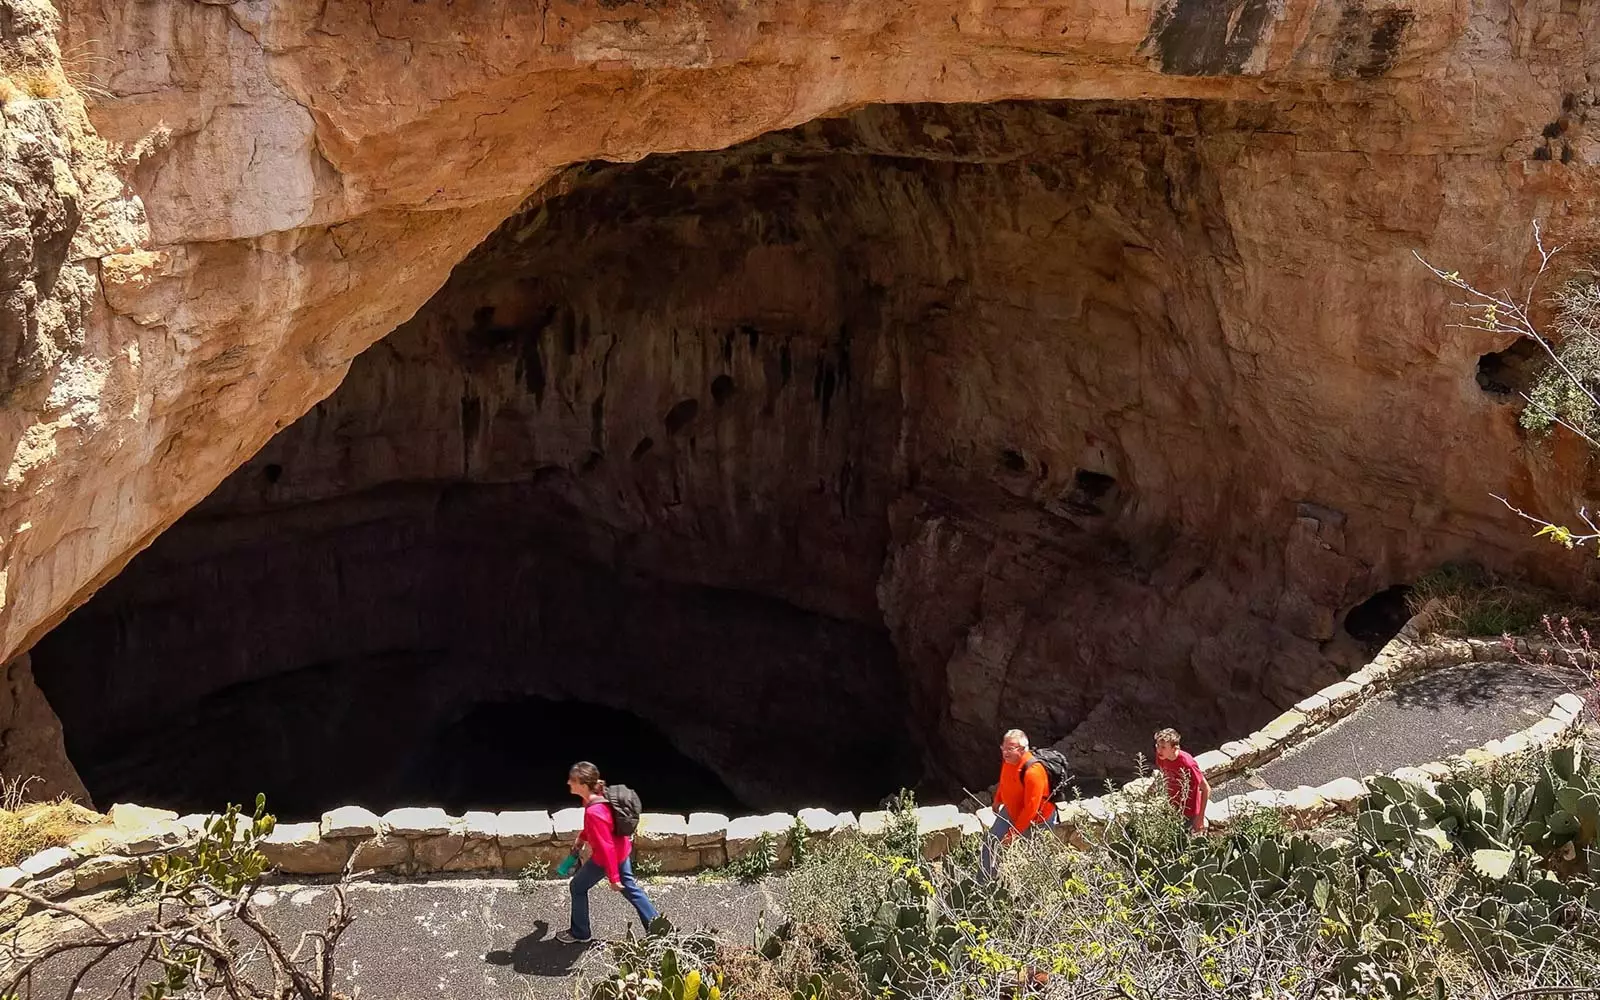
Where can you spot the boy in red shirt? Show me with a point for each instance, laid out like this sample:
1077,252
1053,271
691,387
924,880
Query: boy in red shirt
1186,783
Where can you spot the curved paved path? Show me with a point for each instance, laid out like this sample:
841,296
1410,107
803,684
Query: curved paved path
468,938
1426,718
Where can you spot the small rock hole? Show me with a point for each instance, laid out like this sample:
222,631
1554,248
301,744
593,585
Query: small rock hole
273,472
722,389
1091,491
643,448
681,414
1013,461
1511,371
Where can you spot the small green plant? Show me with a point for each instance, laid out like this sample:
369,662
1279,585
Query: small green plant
532,873
799,845
901,836
755,864
646,867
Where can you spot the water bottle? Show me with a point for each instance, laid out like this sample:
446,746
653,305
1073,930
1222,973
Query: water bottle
567,864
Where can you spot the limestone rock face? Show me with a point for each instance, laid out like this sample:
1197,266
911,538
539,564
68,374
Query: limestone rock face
1160,362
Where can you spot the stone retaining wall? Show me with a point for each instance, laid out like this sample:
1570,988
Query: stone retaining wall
412,841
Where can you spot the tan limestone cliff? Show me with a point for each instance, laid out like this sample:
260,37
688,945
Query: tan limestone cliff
270,186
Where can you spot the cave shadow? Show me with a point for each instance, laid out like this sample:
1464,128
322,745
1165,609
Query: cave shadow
1476,684
538,953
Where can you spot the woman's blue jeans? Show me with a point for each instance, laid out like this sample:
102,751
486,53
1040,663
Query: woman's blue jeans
591,875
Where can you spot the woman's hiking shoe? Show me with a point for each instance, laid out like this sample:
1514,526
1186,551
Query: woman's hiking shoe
565,937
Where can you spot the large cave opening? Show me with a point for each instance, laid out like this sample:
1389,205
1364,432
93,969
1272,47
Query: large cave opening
796,472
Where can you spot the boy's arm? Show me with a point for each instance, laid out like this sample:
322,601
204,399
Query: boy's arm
1205,792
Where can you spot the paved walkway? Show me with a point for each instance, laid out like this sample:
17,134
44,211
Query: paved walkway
1427,718
470,938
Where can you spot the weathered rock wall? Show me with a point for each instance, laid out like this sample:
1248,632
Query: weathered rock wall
311,172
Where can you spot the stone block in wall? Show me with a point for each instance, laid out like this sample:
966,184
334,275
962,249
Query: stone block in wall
1346,793
1514,744
387,850
47,862
874,823
705,829
55,886
1237,750
299,849
940,828
1413,776
971,826
1306,802
161,835
351,821
524,829
1546,731
1314,706
103,870
1338,692
12,876
126,816
1213,761
820,822
1487,651
479,825
476,855
1141,786
1571,703
1284,726
746,831
1263,798
413,821
568,823
1096,811
195,825
986,816
662,830
714,856
669,858
433,853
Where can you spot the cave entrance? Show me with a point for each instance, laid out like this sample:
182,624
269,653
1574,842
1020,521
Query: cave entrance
830,456
457,645
1380,617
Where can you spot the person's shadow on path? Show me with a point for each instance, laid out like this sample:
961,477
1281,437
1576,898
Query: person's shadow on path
536,954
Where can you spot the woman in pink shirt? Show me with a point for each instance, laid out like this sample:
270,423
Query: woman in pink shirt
608,855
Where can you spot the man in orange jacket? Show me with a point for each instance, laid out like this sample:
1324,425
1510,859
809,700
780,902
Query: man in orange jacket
1021,800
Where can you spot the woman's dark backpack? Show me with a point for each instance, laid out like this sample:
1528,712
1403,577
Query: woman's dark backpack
625,809
1054,763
